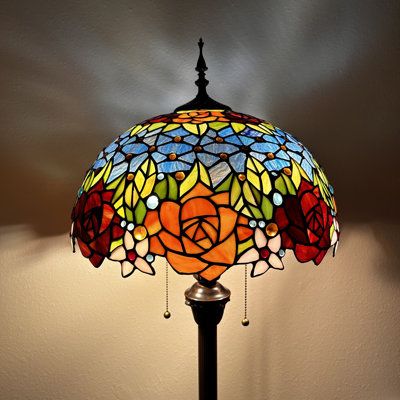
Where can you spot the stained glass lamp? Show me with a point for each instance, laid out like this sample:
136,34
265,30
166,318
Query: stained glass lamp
205,189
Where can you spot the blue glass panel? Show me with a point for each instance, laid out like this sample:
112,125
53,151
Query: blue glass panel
295,156
307,155
206,140
233,139
190,157
207,159
211,133
282,154
293,146
276,164
110,148
226,132
173,166
99,163
292,138
117,171
260,157
280,132
118,157
150,140
173,147
126,133
219,172
217,148
237,162
157,157
247,141
177,132
265,147
280,139
250,133
123,141
135,148
192,139
136,161
163,139
308,168
270,139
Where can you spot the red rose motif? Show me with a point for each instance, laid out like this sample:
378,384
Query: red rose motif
96,224
305,222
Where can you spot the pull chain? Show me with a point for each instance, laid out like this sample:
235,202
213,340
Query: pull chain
167,314
245,321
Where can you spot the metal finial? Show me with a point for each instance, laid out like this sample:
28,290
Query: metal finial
202,100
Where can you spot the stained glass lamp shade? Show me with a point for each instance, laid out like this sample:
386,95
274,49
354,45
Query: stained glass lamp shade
207,189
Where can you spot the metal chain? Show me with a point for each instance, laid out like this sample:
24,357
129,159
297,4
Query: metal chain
167,314
245,321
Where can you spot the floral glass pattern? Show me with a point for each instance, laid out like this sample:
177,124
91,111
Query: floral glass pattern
207,190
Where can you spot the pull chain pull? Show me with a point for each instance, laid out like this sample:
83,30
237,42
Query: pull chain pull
167,314
245,321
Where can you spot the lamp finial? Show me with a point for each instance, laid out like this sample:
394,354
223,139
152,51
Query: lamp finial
202,100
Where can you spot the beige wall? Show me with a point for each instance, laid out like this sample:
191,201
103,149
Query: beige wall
72,73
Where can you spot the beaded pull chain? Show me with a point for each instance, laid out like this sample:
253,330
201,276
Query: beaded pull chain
167,314
245,321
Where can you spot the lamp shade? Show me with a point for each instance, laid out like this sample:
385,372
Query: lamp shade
208,190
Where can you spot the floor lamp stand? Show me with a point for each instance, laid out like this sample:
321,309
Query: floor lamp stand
207,300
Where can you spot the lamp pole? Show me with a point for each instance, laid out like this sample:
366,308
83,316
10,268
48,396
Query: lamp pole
207,301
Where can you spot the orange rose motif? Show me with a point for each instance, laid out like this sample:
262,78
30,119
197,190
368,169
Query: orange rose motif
198,235
200,117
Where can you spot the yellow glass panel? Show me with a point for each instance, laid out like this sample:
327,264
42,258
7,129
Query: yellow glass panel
258,128
88,181
235,191
190,180
99,175
242,247
107,171
152,167
246,212
143,127
248,194
218,125
116,243
296,178
119,202
268,126
121,212
192,128
204,176
155,126
128,195
170,127
149,185
119,191
238,127
135,197
115,183
129,214
202,128
266,182
136,129
332,229
289,184
139,180
254,179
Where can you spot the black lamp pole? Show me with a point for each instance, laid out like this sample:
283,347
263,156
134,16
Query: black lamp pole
207,300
